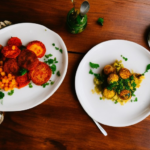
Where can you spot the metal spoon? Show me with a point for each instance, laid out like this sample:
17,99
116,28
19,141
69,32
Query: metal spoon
1,117
85,6
100,128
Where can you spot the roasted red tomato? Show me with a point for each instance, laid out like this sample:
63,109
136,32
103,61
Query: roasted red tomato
14,41
27,59
11,66
11,51
37,47
41,74
22,80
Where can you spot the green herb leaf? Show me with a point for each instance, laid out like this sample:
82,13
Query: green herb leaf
23,71
58,73
30,85
100,21
53,44
92,65
91,72
61,50
116,102
48,55
1,95
136,99
45,84
52,82
11,92
124,58
53,67
100,98
56,48
147,68
50,61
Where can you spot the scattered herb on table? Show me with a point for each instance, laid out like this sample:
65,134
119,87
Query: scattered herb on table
124,58
93,65
53,44
11,92
30,85
58,73
100,21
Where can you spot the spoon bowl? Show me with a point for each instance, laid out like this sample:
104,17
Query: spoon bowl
85,6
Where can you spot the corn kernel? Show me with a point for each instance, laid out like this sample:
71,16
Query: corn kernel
2,73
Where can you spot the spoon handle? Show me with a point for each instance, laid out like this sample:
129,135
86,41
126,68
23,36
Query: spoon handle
100,128
1,117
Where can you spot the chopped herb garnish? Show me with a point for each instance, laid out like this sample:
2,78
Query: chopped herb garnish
61,50
53,67
56,48
58,73
100,98
91,72
50,61
30,85
53,44
23,71
124,58
11,92
147,68
136,99
52,82
48,55
92,65
45,30
45,84
100,21
116,102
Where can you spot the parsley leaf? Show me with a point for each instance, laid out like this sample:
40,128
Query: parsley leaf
53,44
11,92
53,67
2,95
100,98
100,21
116,102
124,58
23,71
92,65
48,55
61,50
30,85
58,73
56,48
52,82
91,72
45,84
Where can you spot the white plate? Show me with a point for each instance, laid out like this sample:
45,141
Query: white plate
26,98
105,111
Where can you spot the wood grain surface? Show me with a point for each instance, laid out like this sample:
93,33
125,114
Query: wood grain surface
60,123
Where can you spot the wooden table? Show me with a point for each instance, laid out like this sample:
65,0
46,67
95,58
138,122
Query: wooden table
60,123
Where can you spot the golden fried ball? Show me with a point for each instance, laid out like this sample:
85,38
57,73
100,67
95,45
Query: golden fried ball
125,94
109,69
124,73
108,94
112,78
